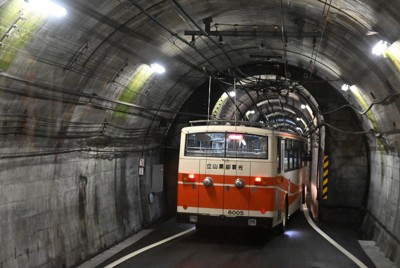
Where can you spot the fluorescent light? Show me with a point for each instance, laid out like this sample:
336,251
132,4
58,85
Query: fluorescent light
157,68
370,32
302,121
250,112
380,48
47,6
345,87
232,93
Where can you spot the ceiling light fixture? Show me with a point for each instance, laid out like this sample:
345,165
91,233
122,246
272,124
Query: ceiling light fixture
157,68
371,32
303,106
232,94
380,48
47,6
248,113
299,129
345,87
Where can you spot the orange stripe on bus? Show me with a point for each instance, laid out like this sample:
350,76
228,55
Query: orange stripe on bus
236,198
248,198
187,195
262,198
211,197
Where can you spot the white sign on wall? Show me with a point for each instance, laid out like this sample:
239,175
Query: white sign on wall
141,171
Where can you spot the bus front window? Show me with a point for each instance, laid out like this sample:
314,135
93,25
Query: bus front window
233,145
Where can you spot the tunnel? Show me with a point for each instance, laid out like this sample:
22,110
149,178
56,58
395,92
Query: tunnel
94,95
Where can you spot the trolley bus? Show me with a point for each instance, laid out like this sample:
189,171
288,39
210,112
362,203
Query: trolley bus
239,176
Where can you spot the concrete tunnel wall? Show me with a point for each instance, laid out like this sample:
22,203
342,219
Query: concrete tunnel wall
58,210
382,221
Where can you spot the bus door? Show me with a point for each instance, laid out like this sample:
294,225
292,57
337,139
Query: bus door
241,150
236,188
211,165
225,187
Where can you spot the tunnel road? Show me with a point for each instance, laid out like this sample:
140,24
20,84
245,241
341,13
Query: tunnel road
299,246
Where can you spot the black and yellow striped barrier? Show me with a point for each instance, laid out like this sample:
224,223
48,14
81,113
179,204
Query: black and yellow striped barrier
325,178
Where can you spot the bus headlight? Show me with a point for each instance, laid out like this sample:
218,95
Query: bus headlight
239,183
208,182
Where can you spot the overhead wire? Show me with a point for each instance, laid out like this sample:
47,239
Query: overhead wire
54,63
57,64
204,33
229,96
89,97
201,29
88,150
77,71
40,126
348,131
253,101
187,54
154,19
283,39
325,19
57,46
40,38
366,110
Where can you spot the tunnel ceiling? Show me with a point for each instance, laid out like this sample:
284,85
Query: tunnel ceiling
87,74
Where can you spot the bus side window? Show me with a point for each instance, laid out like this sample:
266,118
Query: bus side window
278,154
300,153
296,149
286,157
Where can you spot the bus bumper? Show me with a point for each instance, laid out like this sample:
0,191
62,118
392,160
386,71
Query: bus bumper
222,220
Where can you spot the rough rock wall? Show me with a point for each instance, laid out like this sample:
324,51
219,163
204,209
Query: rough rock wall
348,176
348,171
58,210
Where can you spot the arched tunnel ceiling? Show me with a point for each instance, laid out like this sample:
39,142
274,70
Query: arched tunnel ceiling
86,74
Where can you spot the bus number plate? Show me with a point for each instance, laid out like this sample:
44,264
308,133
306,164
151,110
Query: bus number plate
235,212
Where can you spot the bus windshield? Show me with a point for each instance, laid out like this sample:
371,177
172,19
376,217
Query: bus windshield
226,144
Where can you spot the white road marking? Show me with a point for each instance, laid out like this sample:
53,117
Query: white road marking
137,252
105,255
330,240
308,218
